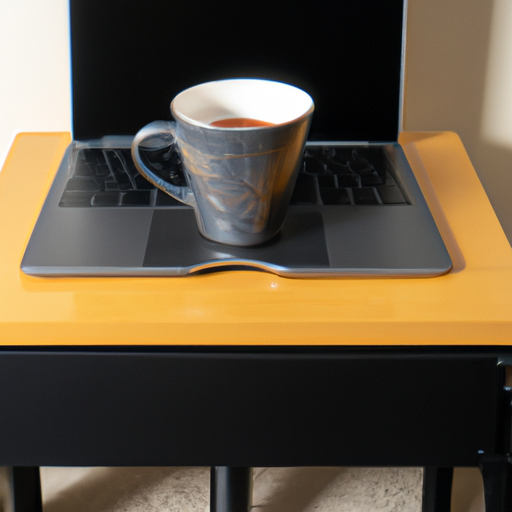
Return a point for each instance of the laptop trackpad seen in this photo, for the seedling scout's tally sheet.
(174, 241)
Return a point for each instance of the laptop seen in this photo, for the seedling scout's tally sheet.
(357, 209)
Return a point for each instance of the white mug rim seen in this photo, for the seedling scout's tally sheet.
(306, 101)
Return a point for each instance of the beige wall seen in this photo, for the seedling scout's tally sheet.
(459, 77)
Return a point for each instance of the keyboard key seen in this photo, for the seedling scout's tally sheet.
(82, 183)
(111, 185)
(348, 180)
(332, 196)
(391, 194)
(341, 156)
(339, 161)
(118, 170)
(124, 182)
(313, 165)
(83, 169)
(364, 196)
(136, 198)
(360, 165)
(337, 168)
(327, 181)
(106, 199)
(370, 179)
(129, 166)
(71, 198)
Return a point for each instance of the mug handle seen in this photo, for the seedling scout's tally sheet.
(159, 135)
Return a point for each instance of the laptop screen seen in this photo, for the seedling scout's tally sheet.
(130, 58)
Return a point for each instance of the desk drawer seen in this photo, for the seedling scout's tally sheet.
(247, 408)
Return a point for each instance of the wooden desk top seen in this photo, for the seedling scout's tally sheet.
(472, 305)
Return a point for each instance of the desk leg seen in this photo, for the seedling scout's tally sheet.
(437, 489)
(497, 477)
(230, 489)
(26, 489)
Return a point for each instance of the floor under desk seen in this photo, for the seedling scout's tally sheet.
(187, 489)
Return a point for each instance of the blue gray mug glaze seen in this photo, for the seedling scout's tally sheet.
(239, 181)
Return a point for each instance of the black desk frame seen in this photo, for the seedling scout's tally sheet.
(241, 407)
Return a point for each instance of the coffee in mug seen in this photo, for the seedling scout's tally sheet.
(240, 122)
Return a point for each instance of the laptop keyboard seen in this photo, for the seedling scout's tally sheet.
(329, 175)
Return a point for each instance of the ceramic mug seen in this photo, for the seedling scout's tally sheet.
(240, 144)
